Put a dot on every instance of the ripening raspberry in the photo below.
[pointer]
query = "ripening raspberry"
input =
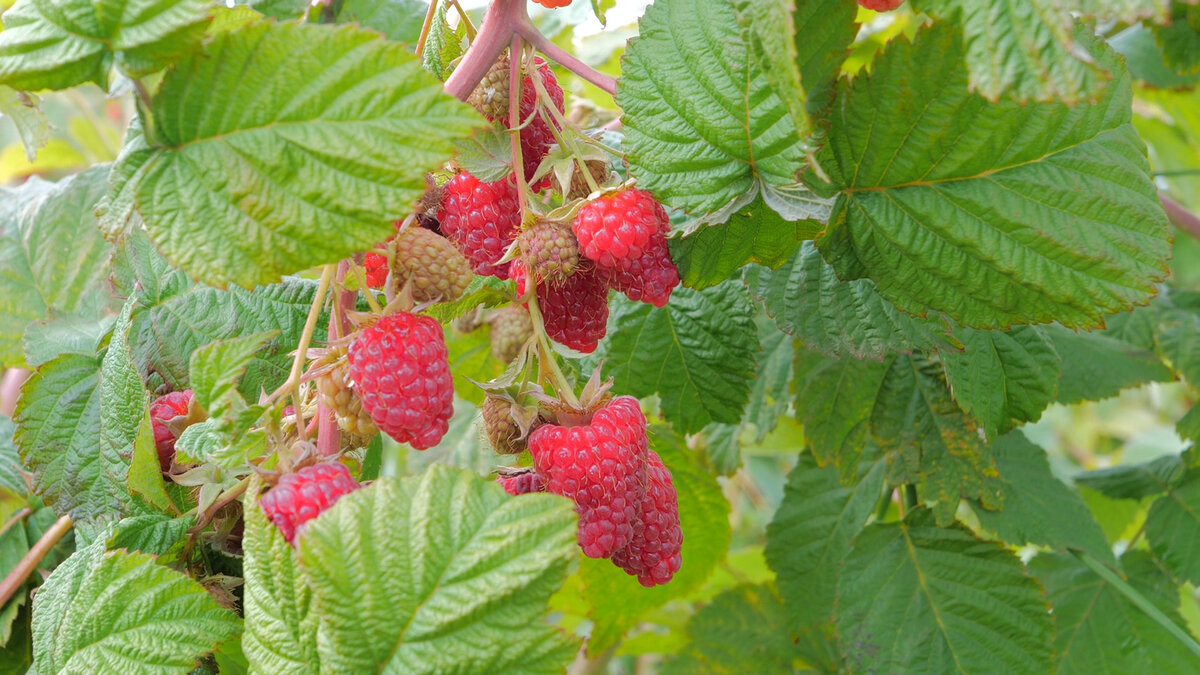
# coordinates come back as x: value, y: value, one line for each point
x: 168, y: 414
x: 299, y: 497
x: 575, y: 310
x: 654, y: 553
x: 401, y: 375
x: 625, y: 234
x: 491, y: 99
x: 553, y: 4
x: 880, y: 5
x: 522, y: 483
x: 482, y: 219
x: 600, y: 465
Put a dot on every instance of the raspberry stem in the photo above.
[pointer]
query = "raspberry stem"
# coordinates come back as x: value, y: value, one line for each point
x: 525, y: 28
x: 292, y: 384
x: 558, y: 127
x: 545, y: 353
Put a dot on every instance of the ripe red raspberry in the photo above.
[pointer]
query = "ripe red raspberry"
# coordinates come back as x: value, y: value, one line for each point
x: 553, y: 4
x: 650, y: 278
x: 482, y: 219
x: 653, y: 554
x: 299, y: 497
x: 376, y: 266
x: 619, y: 226
x: 168, y: 416
x: 574, y: 311
x: 601, y: 465
x: 550, y: 249
x: 877, y: 5
x: 522, y: 483
x: 399, y: 369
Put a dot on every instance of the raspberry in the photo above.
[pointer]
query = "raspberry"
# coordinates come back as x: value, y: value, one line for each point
x: 579, y: 187
x: 506, y: 434
x: 376, y: 266
x: 491, y: 99
x: 482, y: 219
x: 551, y: 251
x: 333, y: 385
x: 511, y: 327
x: 877, y: 5
x: 522, y: 483
x: 653, y: 554
x: 574, y: 311
x: 553, y: 4
x: 650, y: 278
x: 625, y: 234
x: 619, y: 226
x: 168, y: 418
x: 436, y: 270
x: 402, y: 377
x: 601, y: 466
x: 299, y: 497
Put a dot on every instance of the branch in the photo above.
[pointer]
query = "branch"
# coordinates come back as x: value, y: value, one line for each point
x: 10, y: 389
x: 499, y: 25
x: 533, y: 36
x: 20, y: 574
x: 1180, y: 216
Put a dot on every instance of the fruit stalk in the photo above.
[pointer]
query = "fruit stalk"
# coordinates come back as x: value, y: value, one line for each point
x: 525, y: 28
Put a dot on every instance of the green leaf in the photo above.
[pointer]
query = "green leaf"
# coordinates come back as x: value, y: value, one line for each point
x: 58, y: 431
x: 443, y: 44
x: 483, y: 291
x: 834, y: 401
x: 705, y: 129
x: 1145, y: 60
x: 59, y: 44
x: 950, y: 203
x: 1134, y: 481
x: 350, y: 125
x: 124, y: 411
x: 837, y: 318
x: 810, y: 535
x: 122, y: 612
x: 1099, y: 630
x: 753, y: 234
x: 398, y: 20
x: 1039, y: 508
x: 52, y: 258
x: 930, y: 441
x: 697, y: 353
x: 1096, y: 365
x: 618, y: 602
x: 1003, y: 377
x: 215, y: 369
x: 915, y: 597
x: 32, y: 125
x: 769, y: 395
x: 1173, y: 528
x: 1026, y: 50
x: 281, y: 622
x: 823, y: 32
x: 449, y: 574
x: 1180, y: 40
x: 1178, y: 337
x: 46, y: 340
x: 145, y: 472
x: 156, y: 534
x: 743, y: 630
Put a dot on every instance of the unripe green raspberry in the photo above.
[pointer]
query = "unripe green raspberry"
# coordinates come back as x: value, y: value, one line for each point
x: 550, y: 249
x: 491, y: 95
x: 511, y: 327
x: 503, y: 431
x: 438, y: 272
x: 333, y: 385
x: 579, y: 183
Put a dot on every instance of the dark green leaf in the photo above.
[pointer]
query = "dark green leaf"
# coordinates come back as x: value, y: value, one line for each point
x: 1134, y: 481
x: 1173, y: 528
x: 741, y: 631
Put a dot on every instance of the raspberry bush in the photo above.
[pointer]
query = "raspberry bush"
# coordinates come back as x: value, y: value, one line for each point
x: 684, y: 336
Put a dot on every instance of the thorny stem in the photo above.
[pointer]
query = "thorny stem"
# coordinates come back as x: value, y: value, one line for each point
x: 527, y: 30
x: 426, y: 26
x: 16, y: 578
x: 16, y: 518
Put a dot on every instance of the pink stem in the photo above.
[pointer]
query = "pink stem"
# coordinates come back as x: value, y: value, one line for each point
x: 329, y: 436
x: 494, y: 35
x: 10, y: 389
x: 527, y: 30
x: 1180, y: 216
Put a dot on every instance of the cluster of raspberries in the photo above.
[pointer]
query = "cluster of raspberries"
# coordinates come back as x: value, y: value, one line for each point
x: 627, y: 504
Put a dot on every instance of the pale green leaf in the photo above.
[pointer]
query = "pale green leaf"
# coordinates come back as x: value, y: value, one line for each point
x: 950, y: 203
x: 697, y: 353
x: 122, y: 612
x: 1100, y: 632
x: 618, y: 602
x: 52, y: 258
x: 398, y: 20
x: 1179, y: 40
x: 1039, y: 508
x: 156, y: 534
x: 1003, y: 377
x: 46, y: 340
x: 811, y: 532
x: 216, y: 368
x: 145, y: 472
x: 443, y: 44
x: 124, y: 410
x: 57, y: 44
x: 753, y: 234
x: 835, y: 317
x: 1173, y: 528
x: 32, y: 125
x: 281, y: 624
x: 914, y: 597
x: 930, y: 441
x: 447, y: 574
x: 743, y: 630
x: 334, y: 133
x: 704, y: 128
